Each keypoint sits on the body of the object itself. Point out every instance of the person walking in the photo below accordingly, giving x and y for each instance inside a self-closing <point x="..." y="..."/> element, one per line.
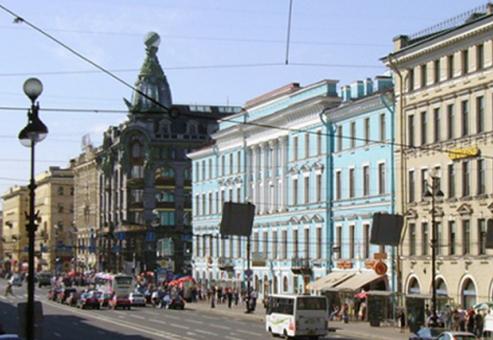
<point x="402" y="320"/>
<point x="230" y="297"/>
<point x="8" y="289"/>
<point x="213" y="297"/>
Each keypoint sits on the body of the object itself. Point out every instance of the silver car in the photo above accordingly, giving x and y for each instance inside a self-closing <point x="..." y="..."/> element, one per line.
<point x="137" y="299"/>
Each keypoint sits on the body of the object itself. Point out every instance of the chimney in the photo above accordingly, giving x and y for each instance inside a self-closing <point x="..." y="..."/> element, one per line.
<point x="357" y="89"/>
<point x="400" y="42"/>
<point x="368" y="86"/>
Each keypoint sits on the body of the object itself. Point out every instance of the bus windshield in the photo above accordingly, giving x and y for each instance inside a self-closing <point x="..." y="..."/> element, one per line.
<point x="123" y="280"/>
<point x="312" y="303"/>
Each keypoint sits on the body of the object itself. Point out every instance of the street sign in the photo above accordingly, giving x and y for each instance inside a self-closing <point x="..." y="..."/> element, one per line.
<point x="150" y="236"/>
<point x="248" y="273"/>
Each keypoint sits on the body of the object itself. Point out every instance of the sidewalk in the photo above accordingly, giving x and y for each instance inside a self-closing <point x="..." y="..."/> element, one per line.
<point x="360" y="330"/>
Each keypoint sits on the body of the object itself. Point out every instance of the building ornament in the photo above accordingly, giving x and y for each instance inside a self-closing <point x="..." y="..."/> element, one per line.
<point x="411" y="214"/>
<point x="465" y="209"/>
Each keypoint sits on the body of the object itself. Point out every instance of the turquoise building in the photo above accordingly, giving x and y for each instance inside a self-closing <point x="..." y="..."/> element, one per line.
<point x="273" y="154"/>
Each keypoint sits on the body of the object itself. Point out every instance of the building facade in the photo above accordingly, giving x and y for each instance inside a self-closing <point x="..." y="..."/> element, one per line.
<point x="272" y="154"/>
<point x="444" y="130"/>
<point x="145" y="182"/>
<point x="56" y="236"/>
<point x="14" y="233"/>
<point x="86" y="207"/>
<point x="361" y="170"/>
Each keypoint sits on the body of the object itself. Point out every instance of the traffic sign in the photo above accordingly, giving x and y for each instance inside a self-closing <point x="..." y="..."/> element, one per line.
<point x="248" y="273"/>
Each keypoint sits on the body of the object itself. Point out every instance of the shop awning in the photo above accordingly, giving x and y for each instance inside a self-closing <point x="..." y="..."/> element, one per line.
<point x="330" y="280"/>
<point x="359" y="280"/>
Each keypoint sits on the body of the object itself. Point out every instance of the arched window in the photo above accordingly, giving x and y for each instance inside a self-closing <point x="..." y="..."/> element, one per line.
<point x="413" y="287"/>
<point x="285" y="285"/>
<point x="468" y="294"/>
<point x="164" y="126"/>
<point x="441" y="288"/>
<point x="275" y="285"/>
<point x="137" y="150"/>
<point x="165" y="173"/>
<point x="192" y="128"/>
<point x="165" y="196"/>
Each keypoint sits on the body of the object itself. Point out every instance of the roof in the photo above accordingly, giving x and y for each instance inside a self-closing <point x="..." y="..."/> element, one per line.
<point x="359" y="280"/>
<point x="330" y="280"/>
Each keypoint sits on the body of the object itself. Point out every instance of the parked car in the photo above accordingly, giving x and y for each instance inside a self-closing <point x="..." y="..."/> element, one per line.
<point x="16" y="280"/>
<point x="120" y="302"/>
<point x="72" y="298"/>
<point x="44" y="279"/>
<point x="88" y="300"/>
<point x="104" y="299"/>
<point x="177" y="303"/>
<point x="456" y="336"/>
<point x="64" y="294"/>
<point x="137" y="299"/>
<point x="427" y="333"/>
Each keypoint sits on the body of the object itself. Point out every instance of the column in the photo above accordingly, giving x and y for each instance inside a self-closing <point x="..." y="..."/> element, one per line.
<point x="283" y="170"/>
<point x="265" y="177"/>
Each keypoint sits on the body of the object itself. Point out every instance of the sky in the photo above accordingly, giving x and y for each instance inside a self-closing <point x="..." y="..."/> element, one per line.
<point x="215" y="52"/>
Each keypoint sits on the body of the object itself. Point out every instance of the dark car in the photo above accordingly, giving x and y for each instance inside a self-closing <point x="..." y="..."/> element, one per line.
<point x="43" y="279"/>
<point x="177" y="303"/>
<point x="88" y="300"/>
<point x="64" y="294"/>
<point x="120" y="302"/>
<point x="104" y="299"/>
<point x="72" y="299"/>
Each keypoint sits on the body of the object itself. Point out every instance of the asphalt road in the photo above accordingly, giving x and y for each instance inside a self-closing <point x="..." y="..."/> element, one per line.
<point x="69" y="323"/>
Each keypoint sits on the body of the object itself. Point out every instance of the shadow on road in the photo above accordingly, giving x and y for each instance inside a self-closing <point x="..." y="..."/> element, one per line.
<point x="63" y="326"/>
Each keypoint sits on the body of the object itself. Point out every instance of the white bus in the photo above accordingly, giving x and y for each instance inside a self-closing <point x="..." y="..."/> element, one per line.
<point x="118" y="284"/>
<point x="297" y="316"/>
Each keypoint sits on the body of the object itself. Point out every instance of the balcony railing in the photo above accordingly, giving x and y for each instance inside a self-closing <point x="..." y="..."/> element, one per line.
<point x="225" y="263"/>
<point x="259" y="259"/>
<point x="301" y="266"/>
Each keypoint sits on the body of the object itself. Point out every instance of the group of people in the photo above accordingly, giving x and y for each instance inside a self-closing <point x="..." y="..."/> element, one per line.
<point x="469" y="320"/>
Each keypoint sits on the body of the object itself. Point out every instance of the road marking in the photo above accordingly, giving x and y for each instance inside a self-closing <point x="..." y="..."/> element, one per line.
<point x="178" y="326"/>
<point x="196" y="321"/>
<point x="206" y="332"/>
<point x="58" y="335"/>
<point x="191" y="333"/>
<point x="137" y="317"/>
<point x="219" y="326"/>
<point x="158" y="321"/>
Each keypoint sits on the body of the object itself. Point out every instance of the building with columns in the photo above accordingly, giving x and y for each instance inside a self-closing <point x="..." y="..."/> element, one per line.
<point x="272" y="154"/>
<point x="444" y="131"/>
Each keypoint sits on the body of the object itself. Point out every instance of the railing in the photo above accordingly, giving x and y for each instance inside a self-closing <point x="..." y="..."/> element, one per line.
<point x="301" y="266"/>
<point x="225" y="263"/>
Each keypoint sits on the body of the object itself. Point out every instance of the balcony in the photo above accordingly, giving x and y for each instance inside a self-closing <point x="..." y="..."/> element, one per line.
<point x="301" y="266"/>
<point x="225" y="263"/>
<point x="259" y="259"/>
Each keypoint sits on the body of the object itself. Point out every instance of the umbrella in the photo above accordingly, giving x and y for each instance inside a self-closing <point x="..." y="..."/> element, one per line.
<point x="361" y="295"/>
<point x="483" y="306"/>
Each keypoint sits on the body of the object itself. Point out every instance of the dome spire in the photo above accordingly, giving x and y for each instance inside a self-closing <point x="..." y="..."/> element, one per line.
<point x="151" y="81"/>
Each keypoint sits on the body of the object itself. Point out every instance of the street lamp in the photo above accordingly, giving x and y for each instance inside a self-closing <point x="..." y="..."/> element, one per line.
<point x="433" y="192"/>
<point x="34" y="132"/>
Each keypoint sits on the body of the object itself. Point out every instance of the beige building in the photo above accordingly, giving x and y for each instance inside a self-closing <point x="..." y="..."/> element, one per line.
<point x="14" y="234"/>
<point x="85" y="207"/>
<point x="444" y="129"/>
<point x="56" y="234"/>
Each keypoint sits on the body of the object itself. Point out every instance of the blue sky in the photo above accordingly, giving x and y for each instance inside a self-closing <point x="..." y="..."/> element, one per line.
<point x="194" y="33"/>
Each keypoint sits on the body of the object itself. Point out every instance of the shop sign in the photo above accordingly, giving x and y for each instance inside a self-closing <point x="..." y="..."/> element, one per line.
<point x="461" y="153"/>
<point x="344" y="264"/>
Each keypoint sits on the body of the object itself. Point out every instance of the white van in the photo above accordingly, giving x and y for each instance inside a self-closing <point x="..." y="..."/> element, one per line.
<point x="297" y="315"/>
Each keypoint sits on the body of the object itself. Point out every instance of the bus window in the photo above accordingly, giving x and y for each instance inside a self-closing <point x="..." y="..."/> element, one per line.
<point x="312" y="303"/>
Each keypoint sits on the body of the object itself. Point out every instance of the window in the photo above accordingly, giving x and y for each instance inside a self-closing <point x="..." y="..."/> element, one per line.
<point x="223" y="165"/>
<point x="424" y="239"/>
<point x="210" y="203"/>
<point x="366" y="241"/>
<point x="319" y="142"/>
<point x="164" y="195"/>
<point x="60" y="191"/>
<point x="307" y="189"/>
<point x="265" y="242"/>
<point x="351" y="241"/>
<point x="450" y="66"/>
<point x="338" y="185"/>
<point x="367" y="130"/>
<point x="451" y="237"/>
<point x="381" y="178"/>
<point x="231" y="163"/>
<point x="423" y="128"/>
<point x="60" y="208"/>
<point x="137" y="150"/>
<point x="319" y="187"/>
<point x="436" y="73"/>
<point x="353" y="134"/>
<point x="424" y="75"/>
<point x="284" y="245"/>
<point x="197" y="205"/>
<point x="481" y="237"/>
<point x="465" y="61"/>
<point x="255" y="242"/>
<point x="412" y="185"/>
<point x="167" y="218"/>
<point x="410" y="130"/>
<point x="481" y="177"/>
<point x="295" y="243"/>
<point x="210" y="168"/>
<point x="351" y="183"/>
<point x="295" y="191"/>
<point x="295" y="148"/>
<point x="479" y="114"/>
<point x="319" y="243"/>
<point x="412" y="239"/>
<point x="410" y="84"/>
<point x="274" y="245"/>
<point x="137" y="171"/>
<point x="465" y="118"/>
<point x="217" y="203"/>
<point x="307" y="145"/>
<point x="307" y="244"/>
<point x="204" y="203"/>
<point x="238" y="161"/>
<point x="339" y="138"/>
<point x="466" y="237"/>
<point x="339" y="239"/>
<point x="438" y="247"/>
<point x="436" y="125"/>
<point x="451" y="180"/>
<point x="466" y="178"/>
<point x="366" y="180"/>
<point x="450" y="121"/>
<point x="382" y="127"/>
<point x="238" y="247"/>
<point x="479" y="57"/>
<point x="203" y="170"/>
<point x="424" y="181"/>
<point x="197" y="171"/>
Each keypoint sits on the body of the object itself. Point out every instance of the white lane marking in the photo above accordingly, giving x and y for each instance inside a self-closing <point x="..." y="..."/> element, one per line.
<point x="191" y="333"/>
<point x="137" y="317"/>
<point x="178" y="326"/>
<point x="206" y="332"/>
<point x="158" y="321"/>
<point x="58" y="335"/>
<point x="218" y="326"/>
<point x="196" y="321"/>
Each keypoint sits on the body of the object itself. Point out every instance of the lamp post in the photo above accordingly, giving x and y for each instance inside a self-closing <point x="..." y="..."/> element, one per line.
<point x="433" y="192"/>
<point x="34" y="132"/>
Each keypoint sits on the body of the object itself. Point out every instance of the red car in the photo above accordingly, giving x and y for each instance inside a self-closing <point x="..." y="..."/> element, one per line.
<point x="104" y="299"/>
<point x="87" y="300"/>
<point x="120" y="302"/>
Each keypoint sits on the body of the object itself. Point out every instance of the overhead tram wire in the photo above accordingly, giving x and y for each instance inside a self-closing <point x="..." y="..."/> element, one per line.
<point x="18" y="18"/>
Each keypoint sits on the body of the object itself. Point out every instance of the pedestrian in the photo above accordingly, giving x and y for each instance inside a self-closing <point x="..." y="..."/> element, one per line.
<point x="230" y="297"/>
<point x="478" y="324"/>
<point x="402" y="320"/>
<point x="213" y="297"/>
<point x="8" y="289"/>
<point x="345" y="313"/>
<point x="236" y="297"/>
<point x="253" y="298"/>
